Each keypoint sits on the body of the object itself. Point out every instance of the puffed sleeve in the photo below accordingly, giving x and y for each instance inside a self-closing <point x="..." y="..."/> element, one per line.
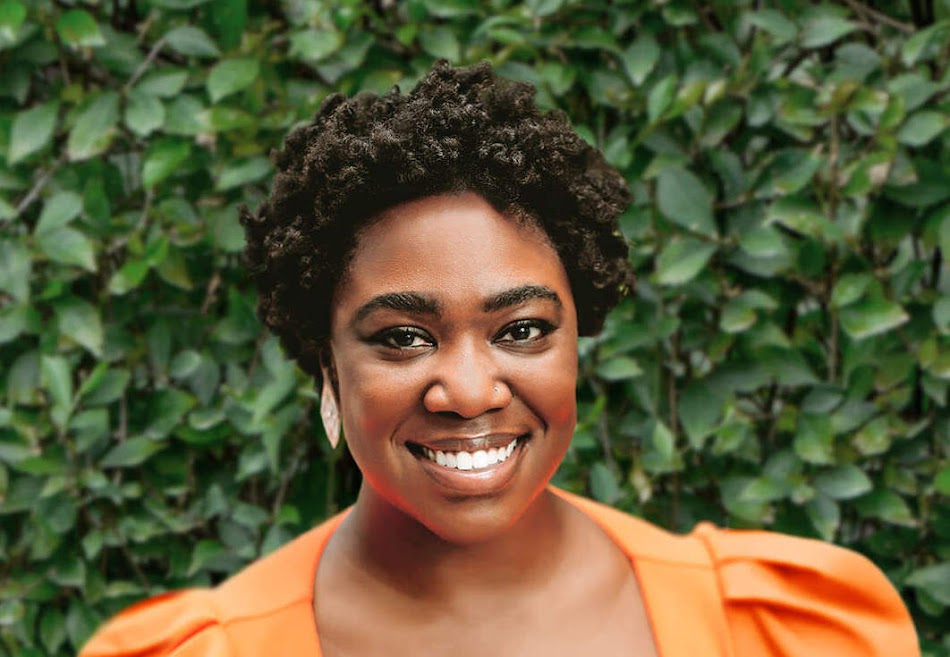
<point x="181" y="624"/>
<point x="794" y="597"/>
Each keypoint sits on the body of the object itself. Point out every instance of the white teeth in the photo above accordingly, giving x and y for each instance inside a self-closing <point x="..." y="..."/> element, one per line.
<point x="471" y="460"/>
<point x="480" y="459"/>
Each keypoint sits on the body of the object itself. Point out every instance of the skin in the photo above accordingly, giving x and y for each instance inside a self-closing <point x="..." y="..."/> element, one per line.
<point x="457" y="338"/>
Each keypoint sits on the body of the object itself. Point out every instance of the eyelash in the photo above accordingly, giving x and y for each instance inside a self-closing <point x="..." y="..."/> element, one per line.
<point x="385" y="337"/>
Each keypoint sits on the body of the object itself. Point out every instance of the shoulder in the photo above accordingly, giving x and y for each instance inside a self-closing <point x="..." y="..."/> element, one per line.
<point x="272" y="596"/>
<point x="804" y="596"/>
<point x="775" y="594"/>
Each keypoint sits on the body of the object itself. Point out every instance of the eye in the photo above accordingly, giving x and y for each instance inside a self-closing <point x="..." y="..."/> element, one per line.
<point x="403" y="337"/>
<point x="528" y="330"/>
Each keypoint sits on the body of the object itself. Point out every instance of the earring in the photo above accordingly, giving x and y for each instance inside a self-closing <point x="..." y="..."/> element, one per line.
<point x="329" y="411"/>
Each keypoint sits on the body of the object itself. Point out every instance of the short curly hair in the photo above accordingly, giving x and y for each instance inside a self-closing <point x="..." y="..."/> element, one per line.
<point x="459" y="129"/>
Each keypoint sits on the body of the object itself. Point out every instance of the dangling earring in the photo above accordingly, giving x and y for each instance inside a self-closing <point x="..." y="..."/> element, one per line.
<point x="329" y="411"/>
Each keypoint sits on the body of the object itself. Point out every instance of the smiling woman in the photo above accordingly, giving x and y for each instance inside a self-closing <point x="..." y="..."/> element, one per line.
<point x="431" y="259"/>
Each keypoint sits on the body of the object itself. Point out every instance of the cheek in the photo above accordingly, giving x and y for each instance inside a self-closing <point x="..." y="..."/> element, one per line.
<point x="551" y="390"/>
<point x="372" y="400"/>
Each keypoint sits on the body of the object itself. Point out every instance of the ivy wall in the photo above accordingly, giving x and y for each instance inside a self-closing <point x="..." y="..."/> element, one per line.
<point x="785" y="361"/>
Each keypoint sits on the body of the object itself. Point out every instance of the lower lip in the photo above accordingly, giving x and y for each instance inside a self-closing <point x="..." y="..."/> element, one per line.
<point x="485" y="481"/>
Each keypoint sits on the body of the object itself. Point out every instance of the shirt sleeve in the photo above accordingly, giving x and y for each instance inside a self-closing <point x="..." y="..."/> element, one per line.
<point x="180" y="624"/>
<point x="793" y="597"/>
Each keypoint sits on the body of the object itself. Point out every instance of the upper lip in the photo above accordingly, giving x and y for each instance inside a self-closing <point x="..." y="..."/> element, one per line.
<point x="468" y="443"/>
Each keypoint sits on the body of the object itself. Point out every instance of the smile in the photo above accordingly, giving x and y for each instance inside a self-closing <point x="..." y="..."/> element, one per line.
<point x="477" y="460"/>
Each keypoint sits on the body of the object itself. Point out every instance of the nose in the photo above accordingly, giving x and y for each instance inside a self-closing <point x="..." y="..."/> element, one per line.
<point x="467" y="382"/>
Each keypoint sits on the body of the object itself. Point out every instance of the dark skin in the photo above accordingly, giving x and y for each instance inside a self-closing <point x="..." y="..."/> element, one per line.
<point x="460" y="341"/>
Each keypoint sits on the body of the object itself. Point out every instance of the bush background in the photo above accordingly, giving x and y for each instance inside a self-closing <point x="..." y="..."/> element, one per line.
<point x="784" y="363"/>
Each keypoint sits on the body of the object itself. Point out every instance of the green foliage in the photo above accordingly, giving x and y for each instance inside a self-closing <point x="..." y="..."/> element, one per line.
<point x="784" y="363"/>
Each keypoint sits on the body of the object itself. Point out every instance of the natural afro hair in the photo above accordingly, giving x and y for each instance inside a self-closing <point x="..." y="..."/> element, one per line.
<point x="459" y="129"/>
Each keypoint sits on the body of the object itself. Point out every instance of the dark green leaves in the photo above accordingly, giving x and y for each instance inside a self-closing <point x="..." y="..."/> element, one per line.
<point x="78" y="28"/>
<point x="684" y="200"/>
<point x="230" y="76"/>
<point x="94" y="128"/>
<point x="32" y="130"/>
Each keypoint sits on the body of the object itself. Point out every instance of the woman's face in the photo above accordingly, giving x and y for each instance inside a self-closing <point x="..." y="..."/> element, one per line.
<point x="454" y="337"/>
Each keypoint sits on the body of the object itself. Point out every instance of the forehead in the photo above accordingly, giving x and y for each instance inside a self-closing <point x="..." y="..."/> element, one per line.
<point x="452" y="246"/>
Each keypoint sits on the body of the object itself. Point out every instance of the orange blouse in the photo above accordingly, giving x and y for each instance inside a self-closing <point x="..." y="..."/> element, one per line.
<point x="715" y="593"/>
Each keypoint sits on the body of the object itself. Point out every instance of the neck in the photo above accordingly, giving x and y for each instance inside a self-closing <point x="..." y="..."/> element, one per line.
<point x="396" y="550"/>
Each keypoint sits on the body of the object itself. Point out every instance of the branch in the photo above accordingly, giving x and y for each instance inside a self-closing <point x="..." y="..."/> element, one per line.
<point x="880" y="17"/>
<point x="38" y="186"/>
<point x="140" y="71"/>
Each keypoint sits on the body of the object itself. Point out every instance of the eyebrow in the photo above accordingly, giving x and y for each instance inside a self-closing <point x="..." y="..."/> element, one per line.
<point x="407" y="302"/>
<point x="518" y="295"/>
<point x="415" y="303"/>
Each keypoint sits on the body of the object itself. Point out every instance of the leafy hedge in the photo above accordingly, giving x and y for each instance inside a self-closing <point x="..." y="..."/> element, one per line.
<point x="784" y="363"/>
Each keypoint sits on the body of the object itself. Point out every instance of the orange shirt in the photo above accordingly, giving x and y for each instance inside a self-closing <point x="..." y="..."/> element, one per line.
<point x="712" y="593"/>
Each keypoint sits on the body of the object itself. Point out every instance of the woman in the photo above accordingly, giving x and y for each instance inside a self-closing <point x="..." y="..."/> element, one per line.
<point x="431" y="260"/>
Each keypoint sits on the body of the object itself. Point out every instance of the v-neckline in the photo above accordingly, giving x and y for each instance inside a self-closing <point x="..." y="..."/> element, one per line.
<point x="663" y="640"/>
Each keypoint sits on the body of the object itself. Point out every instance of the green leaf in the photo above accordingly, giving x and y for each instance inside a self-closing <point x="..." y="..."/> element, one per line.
<point x="79" y="29"/>
<point x="79" y="321"/>
<point x="52" y="630"/>
<point x="603" y="484"/>
<point x="850" y="288"/>
<point x="814" y="439"/>
<point x="166" y="83"/>
<point x="790" y="171"/>
<point x="619" y="368"/>
<point x="684" y="200"/>
<point x="820" y="31"/>
<point x="699" y="411"/>
<point x="640" y="58"/>
<point x="542" y="8"/>
<point x="95" y="127"/>
<point x="191" y="41"/>
<point x="12" y="15"/>
<point x="764" y="489"/>
<point x="772" y="21"/>
<point x="164" y="158"/>
<point x="872" y="317"/>
<point x="935" y="580"/>
<point x="441" y="43"/>
<point x="130" y="453"/>
<point x="129" y="276"/>
<point x="232" y="75"/>
<point x="763" y="242"/>
<point x="32" y="131"/>
<point x="15" y="270"/>
<point x="14" y="320"/>
<point x="105" y="390"/>
<point x="942" y="481"/>
<point x="825" y="516"/>
<point x="802" y="216"/>
<point x="451" y="8"/>
<point x="844" y="482"/>
<point x="242" y="173"/>
<point x="315" y="45"/>
<point x="144" y="114"/>
<point x="886" y="505"/>
<point x="178" y="5"/>
<point x="660" y="97"/>
<point x="58" y="211"/>
<point x="926" y="43"/>
<point x="682" y="259"/>
<point x="57" y="379"/>
<point x="69" y="247"/>
<point x="922" y="127"/>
